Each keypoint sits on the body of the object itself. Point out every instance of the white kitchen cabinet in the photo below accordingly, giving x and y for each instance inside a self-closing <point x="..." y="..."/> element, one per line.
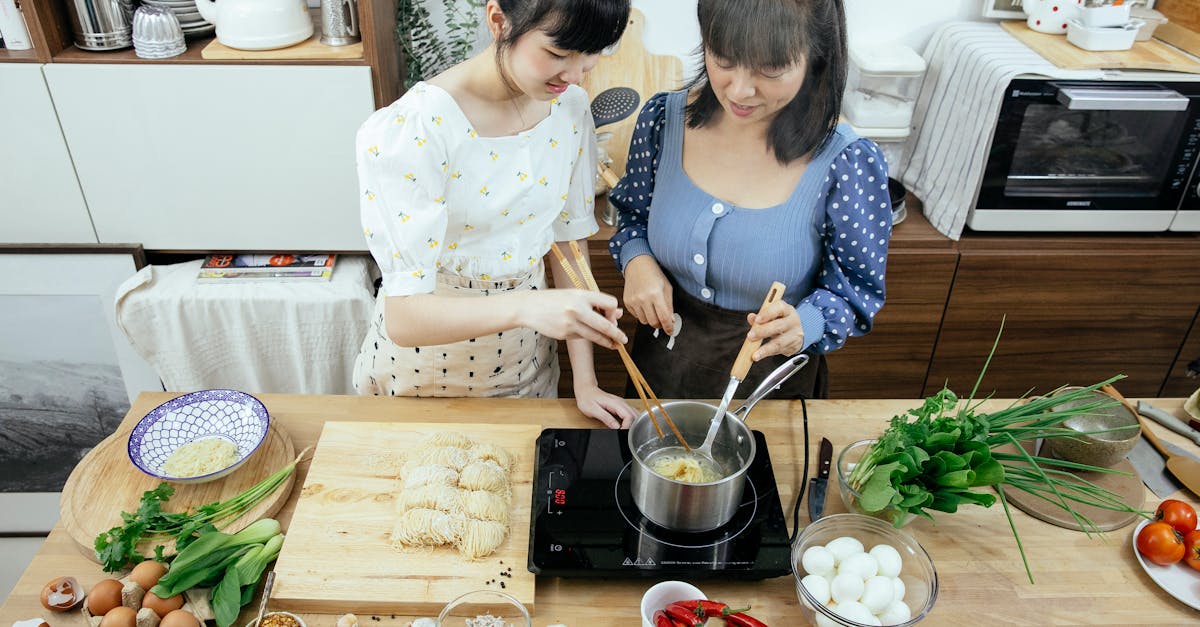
<point x="216" y="157"/>
<point x="40" y="199"/>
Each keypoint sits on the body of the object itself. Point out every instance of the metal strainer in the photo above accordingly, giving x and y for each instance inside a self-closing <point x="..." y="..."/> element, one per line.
<point x="614" y="104"/>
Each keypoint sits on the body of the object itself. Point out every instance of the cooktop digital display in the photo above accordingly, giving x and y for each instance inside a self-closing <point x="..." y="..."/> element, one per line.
<point x="585" y="523"/>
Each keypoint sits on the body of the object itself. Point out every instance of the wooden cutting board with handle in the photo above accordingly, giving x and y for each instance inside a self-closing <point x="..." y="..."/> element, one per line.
<point x="337" y="556"/>
<point x="631" y="66"/>
<point x="105" y="483"/>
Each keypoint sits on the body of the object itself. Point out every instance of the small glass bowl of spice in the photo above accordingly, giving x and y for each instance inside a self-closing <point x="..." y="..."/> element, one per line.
<point x="484" y="608"/>
<point x="278" y="619"/>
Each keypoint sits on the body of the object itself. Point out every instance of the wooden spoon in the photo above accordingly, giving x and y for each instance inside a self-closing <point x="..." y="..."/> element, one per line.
<point x="1185" y="469"/>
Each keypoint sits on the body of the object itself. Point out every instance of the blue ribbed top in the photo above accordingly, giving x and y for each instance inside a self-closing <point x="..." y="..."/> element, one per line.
<point x="827" y="242"/>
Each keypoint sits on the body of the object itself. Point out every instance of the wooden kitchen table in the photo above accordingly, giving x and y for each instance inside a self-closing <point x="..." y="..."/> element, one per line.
<point x="1080" y="580"/>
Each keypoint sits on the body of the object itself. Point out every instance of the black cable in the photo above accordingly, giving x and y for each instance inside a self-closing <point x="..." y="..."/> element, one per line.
<point x="803" y="479"/>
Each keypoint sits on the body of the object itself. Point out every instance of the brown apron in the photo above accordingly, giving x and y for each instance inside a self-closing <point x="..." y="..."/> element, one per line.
<point x="702" y="352"/>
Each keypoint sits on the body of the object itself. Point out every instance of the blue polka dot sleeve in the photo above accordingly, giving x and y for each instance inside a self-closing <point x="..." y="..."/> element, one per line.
<point x="849" y="288"/>
<point x="632" y="194"/>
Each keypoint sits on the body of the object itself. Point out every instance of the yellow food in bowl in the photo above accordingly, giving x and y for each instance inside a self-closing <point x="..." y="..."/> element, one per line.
<point x="201" y="457"/>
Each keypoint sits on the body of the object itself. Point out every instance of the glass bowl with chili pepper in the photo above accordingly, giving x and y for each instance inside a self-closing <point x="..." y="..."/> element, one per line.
<point x="853" y="571"/>
<point x="484" y="608"/>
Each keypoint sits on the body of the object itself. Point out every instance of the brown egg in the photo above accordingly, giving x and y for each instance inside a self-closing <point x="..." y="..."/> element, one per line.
<point x="104" y="596"/>
<point x="147" y="573"/>
<point x="120" y="616"/>
<point x="179" y="618"/>
<point x="162" y="607"/>
<point x="61" y="594"/>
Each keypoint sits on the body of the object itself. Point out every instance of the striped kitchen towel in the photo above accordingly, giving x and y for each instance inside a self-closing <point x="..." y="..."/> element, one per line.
<point x="969" y="66"/>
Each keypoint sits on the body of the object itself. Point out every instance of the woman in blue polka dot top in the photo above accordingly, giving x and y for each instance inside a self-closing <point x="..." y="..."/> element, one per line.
<point x="743" y="178"/>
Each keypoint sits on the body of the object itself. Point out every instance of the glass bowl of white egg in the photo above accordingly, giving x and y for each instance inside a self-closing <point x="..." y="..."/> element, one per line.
<point x="857" y="571"/>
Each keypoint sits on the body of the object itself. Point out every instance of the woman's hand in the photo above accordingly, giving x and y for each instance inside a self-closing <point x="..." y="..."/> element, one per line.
<point x="781" y="324"/>
<point x="573" y="314"/>
<point x="612" y="410"/>
<point x="648" y="294"/>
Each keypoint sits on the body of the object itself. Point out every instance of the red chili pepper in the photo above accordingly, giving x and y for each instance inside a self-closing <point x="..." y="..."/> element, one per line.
<point x="681" y="614"/>
<point x="662" y="620"/>
<point x="743" y="620"/>
<point x="704" y="607"/>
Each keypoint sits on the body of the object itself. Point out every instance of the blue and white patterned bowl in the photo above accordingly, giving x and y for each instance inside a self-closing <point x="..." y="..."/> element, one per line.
<point x="227" y="414"/>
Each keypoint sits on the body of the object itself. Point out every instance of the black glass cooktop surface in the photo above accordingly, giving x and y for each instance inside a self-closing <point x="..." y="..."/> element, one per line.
<point x="585" y="523"/>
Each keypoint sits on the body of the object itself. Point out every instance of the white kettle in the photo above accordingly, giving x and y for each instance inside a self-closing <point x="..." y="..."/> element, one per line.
<point x="258" y="24"/>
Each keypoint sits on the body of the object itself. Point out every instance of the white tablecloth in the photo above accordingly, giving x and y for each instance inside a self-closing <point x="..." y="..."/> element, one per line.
<point x="258" y="337"/>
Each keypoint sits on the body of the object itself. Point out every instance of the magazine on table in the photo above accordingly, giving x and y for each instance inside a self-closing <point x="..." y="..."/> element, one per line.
<point x="268" y="263"/>
<point x="237" y="275"/>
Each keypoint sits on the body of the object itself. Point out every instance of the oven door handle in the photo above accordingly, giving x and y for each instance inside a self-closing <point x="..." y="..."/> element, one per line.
<point x="1099" y="99"/>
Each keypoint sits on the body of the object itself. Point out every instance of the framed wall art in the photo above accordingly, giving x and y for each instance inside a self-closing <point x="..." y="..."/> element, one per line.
<point x="69" y="374"/>
<point x="1003" y="9"/>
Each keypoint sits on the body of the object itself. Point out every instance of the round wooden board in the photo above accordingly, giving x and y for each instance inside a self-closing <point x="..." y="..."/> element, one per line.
<point x="1128" y="487"/>
<point x="106" y="483"/>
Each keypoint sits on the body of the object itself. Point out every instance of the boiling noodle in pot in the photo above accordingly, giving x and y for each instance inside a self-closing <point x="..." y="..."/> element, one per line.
<point x="680" y="465"/>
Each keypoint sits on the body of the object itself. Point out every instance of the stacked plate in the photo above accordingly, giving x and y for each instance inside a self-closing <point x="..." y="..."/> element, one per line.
<point x="156" y="33"/>
<point x="190" y="20"/>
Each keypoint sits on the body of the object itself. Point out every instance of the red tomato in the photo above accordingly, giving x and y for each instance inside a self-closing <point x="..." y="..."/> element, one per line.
<point x="1160" y="543"/>
<point x="1178" y="514"/>
<point x="1191" y="545"/>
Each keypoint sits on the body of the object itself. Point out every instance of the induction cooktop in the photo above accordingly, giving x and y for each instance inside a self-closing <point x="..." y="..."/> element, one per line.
<point x="585" y="524"/>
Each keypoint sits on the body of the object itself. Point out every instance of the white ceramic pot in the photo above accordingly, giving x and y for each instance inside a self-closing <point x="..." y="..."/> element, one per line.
<point x="258" y="24"/>
<point x="1051" y="16"/>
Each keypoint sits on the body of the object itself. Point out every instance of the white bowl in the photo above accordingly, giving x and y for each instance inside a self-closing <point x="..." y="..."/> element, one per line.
<point x="1099" y="39"/>
<point x="228" y="414"/>
<point x="661" y="594"/>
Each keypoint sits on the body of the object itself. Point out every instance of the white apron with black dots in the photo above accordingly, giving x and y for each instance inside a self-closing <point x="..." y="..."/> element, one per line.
<point x="516" y="363"/>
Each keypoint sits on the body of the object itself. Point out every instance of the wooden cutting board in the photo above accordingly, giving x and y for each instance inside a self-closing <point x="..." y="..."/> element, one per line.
<point x="1185" y="13"/>
<point x="1144" y="55"/>
<point x="631" y="66"/>
<point x="337" y="557"/>
<point x="310" y="49"/>
<point x="105" y="483"/>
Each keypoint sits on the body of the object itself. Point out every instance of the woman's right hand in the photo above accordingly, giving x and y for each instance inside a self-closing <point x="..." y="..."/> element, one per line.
<point x="567" y="314"/>
<point x="648" y="294"/>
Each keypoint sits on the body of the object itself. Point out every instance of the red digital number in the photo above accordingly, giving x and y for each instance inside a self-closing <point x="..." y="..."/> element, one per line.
<point x="560" y="497"/>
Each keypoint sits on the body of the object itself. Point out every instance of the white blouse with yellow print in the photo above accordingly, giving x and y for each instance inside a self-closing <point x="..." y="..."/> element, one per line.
<point x="437" y="196"/>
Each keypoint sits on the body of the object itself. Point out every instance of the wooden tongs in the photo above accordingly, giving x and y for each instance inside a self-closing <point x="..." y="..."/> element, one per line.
<point x="639" y="382"/>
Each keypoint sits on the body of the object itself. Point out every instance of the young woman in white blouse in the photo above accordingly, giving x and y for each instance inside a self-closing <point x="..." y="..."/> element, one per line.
<point x="465" y="182"/>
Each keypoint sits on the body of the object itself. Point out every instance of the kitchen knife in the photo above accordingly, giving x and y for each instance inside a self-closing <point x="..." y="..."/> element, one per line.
<point x="817" y="485"/>
<point x="1152" y="469"/>
<point x="1168" y="421"/>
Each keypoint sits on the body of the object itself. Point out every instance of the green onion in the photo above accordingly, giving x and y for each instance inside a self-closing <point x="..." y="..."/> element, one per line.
<point x="944" y="454"/>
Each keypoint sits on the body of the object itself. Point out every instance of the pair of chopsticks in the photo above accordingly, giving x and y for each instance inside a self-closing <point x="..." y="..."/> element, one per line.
<point x="635" y="375"/>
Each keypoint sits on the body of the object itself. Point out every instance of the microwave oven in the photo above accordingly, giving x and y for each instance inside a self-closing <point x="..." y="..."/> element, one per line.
<point x="1118" y="154"/>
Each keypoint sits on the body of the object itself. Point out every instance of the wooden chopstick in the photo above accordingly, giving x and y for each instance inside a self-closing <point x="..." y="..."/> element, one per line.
<point x="639" y="381"/>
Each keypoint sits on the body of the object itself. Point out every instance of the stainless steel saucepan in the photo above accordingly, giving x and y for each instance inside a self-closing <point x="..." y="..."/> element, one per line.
<point x="684" y="506"/>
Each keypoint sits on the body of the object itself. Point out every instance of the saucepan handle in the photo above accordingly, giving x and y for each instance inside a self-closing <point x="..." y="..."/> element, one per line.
<point x="771" y="383"/>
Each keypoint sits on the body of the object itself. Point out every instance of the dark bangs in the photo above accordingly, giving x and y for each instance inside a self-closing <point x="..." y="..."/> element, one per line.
<point x="586" y="26"/>
<point x="772" y="34"/>
<point x="756" y="34"/>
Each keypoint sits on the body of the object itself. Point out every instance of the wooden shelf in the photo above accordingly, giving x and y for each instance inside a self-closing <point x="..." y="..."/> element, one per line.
<point x="18" y="56"/>
<point x="72" y="54"/>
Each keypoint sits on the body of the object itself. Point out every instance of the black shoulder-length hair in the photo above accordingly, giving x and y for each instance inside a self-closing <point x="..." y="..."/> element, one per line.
<point x="586" y="26"/>
<point x="770" y="34"/>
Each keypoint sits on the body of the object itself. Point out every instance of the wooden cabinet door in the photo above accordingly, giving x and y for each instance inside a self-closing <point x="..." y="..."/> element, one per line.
<point x="892" y="360"/>
<point x="1178" y="382"/>
<point x="1079" y="310"/>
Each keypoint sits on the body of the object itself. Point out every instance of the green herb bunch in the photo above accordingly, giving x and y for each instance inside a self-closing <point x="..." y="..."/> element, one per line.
<point x="945" y="453"/>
